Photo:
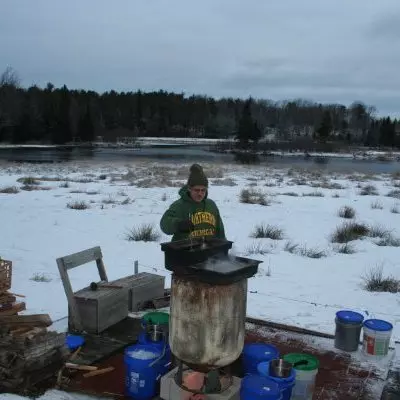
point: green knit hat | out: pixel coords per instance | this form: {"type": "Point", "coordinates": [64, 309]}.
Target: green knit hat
{"type": "Point", "coordinates": [197, 176]}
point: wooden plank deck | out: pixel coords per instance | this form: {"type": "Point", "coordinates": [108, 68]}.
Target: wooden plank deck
{"type": "Point", "coordinates": [113, 340]}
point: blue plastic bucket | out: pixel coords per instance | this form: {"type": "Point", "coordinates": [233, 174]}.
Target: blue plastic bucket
{"type": "Point", "coordinates": [285, 384]}
{"type": "Point", "coordinates": [166, 360]}
{"type": "Point", "coordinates": [254, 353]}
{"type": "Point", "coordinates": [256, 387]}
{"type": "Point", "coordinates": [141, 378]}
{"type": "Point", "coordinates": [73, 342]}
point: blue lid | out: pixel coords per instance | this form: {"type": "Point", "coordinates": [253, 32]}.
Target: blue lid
{"type": "Point", "coordinates": [349, 317]}
{"type": "Point", "coordinates": [378, 325]}
{"type": "Point", "coordinates": [261, 351]}
{"type": "Point", "coordinates": [74, 341]}
{"type": "Point", "coordinates": [261, 386]}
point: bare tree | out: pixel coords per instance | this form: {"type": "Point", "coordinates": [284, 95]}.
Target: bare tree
{"type": "Point", "coordinates": [9, 78]}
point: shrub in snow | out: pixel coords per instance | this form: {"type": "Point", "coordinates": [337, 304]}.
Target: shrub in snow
{"type": "Point", "coordinates": [267, 232]}
{"type": "Point", "coordinates": [143, 233]}
{"type": "Point", "coordinates": [304, 251]}
{"type": "Point", "coordinates": [369, 190]}
{"type": "Point", "coordinates": [294, 194]}
{"type": "Point", "coordinates": [29, 188]}
{"type": "Point", "coordinates": [251, 196]}
{"type": "Point", "coordinates": [345, 248]}
{"type": "Point", "coordinates": [311, 252]}
{"type": "Point", "coordinates": [389, 240]}
{"type": "Point", "coordinates": [375, 281]}
{"type": "Point", "coordinates": [313, 194]}
{"type": "Point", "coordinates": [395, 209]}
{"type": "Point", "coordinates": [378, 231]}
{"type": "Point", "coordinates": [347, 212]}
{"type": "Point", "coordinates": [125, 201]}
{"type": "Point", "coordinates": [258, 247]}
{"type": "Point", "coordinates": [40, 278]}
{"type": "Point", "coordinates": [78, 205]}
{"type": "Point", "coordinates": [109, 200]}
{"type": "Point", "coordinates": [28, 181]}
{"type": "Point", "coordinates": [377, 205]}
{"type": "Point", "coordinates": [291, 247]}
{"type": "Point", "coordinates": [394, 193]}
{"type": "Point", "coordinates": [9, 190]}
{"type": "Point", "coordinates": [349, 231]}
{"type": "Point", "coordinates": [224, 182]}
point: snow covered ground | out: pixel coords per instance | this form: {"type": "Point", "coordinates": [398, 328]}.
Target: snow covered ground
{"type": "Point", "coordinates": [292, 288]}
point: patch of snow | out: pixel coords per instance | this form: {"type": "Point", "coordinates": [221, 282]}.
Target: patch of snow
{"type": "Point", "coordinates": [289, 288]}
{"type": "Point", "coordinates": [54, 395]}
{"type": "Point", "coordinates": [142, 354]}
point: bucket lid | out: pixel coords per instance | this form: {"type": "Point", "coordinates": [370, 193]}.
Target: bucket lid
{"type": "Point", "coordinates": [378, 325]}
{"type": "Point", "coordinates": [261, 386]}
{"type": "Point", "coordinates": [74, 341]}
{"type": "Point", "coordinates": [261, 351]}
{"type": "Point", "coordinates": [349, 317]}
{"type": "Point", "coordinates": [156, 318]}
{"type": "Point", "coordinates": [312, 362]}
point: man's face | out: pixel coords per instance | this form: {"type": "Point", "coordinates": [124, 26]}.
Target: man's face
{"type": "Point", "coordinates": [197, 193]}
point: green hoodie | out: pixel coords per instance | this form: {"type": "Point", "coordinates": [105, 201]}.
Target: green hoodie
{"type": "Point", "coordinates": [204, 216]}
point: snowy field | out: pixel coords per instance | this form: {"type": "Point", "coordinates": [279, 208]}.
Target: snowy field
{"type": "Point", "coordinates": [304, 279]}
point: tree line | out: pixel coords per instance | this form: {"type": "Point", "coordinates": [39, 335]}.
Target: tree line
{"type": "Point", "coordinates": [61, 115]}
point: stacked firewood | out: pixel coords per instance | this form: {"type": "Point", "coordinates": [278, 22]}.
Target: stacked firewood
{"type": "Point", "coordinates": [29, 352]}
{"type": "Point", "coordinates": [9, 305]}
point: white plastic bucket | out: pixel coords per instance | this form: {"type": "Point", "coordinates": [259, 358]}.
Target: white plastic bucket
{"type": "Point", "coordinates": [305, 375]}
{"type": "Point", "coordinates": [376, 337]}
{"type": "Point", "coordinates": [305, 385]}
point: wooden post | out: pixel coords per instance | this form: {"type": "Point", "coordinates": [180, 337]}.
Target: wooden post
{"type": "Point", "coordinates": [136, 267]}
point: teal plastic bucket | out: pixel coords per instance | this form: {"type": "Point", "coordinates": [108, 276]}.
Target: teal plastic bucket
{"type": "Point", "coordinates": [285, 384]}
{"type": "Point", "coordinates": [141, 377]}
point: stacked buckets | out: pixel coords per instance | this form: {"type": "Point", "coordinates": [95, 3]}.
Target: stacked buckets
{"type": "Point", "coordinates": [376, 333]}
{"type": "Point", "coordinates": [260, 382]}
{"type": "Point", "coordinates": [148, 360]}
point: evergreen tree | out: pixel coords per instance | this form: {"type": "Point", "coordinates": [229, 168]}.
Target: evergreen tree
{"type": "Point", "coordinates": [86, 126]}
{"type": "Point", "coordinates": [248, 129]}
{"type": "Point", "coordinates": [62, 132]}
{"type": "Point", "coordinates": [325, 128]}
{"type": "Point", "coordinates": [387, 132]}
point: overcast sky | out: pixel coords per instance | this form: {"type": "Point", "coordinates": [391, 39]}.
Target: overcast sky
{"type": "Point", "coordinates": [321, 50]}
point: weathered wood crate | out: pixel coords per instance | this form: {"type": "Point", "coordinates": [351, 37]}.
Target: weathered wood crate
{"type": "Point", "coordinates": [5, 275]}
{"type": "Point", "coordinates": [102, 308]}
{"type": "Point", "coordinates": [143, 287]}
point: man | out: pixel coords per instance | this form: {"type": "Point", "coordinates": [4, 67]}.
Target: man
{"type": "Point", "coordinates": [194, 214]}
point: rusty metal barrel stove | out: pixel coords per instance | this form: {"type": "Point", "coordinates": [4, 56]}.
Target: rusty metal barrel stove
{"type": "Point", "coordinates": [208, 302]}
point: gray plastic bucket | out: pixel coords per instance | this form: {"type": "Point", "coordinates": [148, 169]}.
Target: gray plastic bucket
{"type": "Point", "coordinates": [348, 330]}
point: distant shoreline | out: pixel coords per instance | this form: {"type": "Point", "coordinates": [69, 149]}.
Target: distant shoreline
{"type": "Point", "coordinates": [164, 142]}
